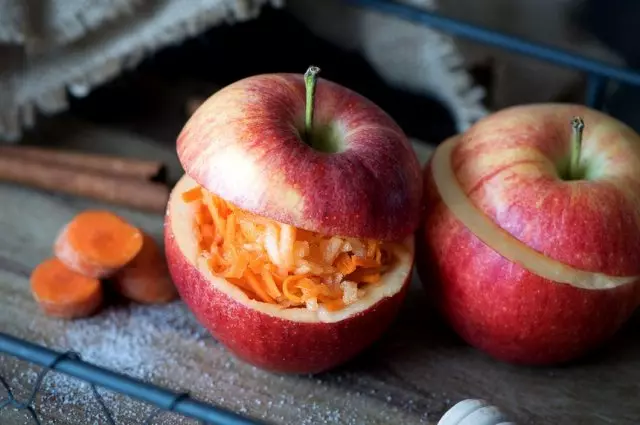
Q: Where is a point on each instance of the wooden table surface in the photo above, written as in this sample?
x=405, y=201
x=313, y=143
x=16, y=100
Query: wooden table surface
x=412, y=376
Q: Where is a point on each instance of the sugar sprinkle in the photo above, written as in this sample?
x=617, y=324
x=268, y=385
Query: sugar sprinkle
x=166, y=345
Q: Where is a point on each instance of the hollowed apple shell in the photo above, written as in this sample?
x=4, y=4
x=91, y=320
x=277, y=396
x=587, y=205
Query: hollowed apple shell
x=294, y=340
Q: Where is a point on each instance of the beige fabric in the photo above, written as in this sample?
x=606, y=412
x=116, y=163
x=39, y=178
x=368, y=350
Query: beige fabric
x=73, y=46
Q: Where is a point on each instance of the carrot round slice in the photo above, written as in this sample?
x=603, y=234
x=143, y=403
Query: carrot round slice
x=97, y=243
x=146, y=278
x=64, y=293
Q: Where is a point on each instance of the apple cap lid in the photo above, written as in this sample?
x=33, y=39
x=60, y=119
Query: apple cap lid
x=245, y=145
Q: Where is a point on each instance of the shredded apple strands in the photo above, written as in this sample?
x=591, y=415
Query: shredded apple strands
x=279, y=264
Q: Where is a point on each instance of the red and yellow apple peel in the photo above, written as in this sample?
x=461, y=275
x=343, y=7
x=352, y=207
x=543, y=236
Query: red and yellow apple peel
x=321, y=161
x=515, y=244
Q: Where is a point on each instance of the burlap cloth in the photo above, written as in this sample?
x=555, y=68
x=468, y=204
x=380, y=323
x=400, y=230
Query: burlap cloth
x=54, y=48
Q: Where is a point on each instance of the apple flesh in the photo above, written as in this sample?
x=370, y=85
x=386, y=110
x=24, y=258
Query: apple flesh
x=294, y=340
x=344, y=170
x=534, y=263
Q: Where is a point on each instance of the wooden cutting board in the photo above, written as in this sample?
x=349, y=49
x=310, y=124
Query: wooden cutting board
x=412, y=376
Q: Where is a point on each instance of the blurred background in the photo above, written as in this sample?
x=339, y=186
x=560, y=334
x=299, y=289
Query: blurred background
x=137, y=63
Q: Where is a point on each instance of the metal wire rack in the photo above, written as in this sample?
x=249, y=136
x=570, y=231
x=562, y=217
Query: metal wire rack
x=165, y=400
x=599, y=74
x=70, y=363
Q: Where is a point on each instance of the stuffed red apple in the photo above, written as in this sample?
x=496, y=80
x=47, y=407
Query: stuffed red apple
x=291, y=235
x=532, y=234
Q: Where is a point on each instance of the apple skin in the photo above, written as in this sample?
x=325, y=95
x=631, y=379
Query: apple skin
x=244, y=144
x=358, y=177
x=505, y=163
x=272, y=343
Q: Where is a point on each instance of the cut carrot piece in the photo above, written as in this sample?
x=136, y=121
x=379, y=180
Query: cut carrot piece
x=246, y=288
x=194, y=194
x=257, y=287
x=64, y=293
x=365, y=276
x=364, y=262
x=146, y=278
x=97, y=243
x=287, y=290
x=332, y=304
x=203, y=216
x=345, y=264
x=270, y=282
x=277, y=263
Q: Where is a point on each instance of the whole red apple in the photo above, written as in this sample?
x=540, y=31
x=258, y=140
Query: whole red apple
x=339, y=167
x=532, y=231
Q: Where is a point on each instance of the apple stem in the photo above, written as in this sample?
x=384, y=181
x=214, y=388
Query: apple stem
x=310, y=80
x=577, y=125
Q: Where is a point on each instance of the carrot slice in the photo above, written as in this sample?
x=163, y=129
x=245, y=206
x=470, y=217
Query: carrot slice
x=146, y=278
x=64, y=293
x=207, y=236
x=309, y=288
x=97, y=243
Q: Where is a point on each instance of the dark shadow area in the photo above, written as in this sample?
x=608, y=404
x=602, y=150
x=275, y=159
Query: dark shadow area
x=276, y=42
x=623, y=347
x=419, y=340
x=614, y=23
x=417, y=334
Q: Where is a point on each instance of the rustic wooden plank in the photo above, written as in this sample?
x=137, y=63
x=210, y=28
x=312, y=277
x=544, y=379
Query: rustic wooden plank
x=411, y=377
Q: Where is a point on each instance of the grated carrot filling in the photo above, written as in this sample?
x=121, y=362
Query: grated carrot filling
x=280, y=264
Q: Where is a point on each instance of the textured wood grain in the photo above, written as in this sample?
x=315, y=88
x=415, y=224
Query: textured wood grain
x=410, y=377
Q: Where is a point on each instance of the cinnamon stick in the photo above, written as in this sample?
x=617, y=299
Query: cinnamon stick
x=126, y=191
x=104, y=164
